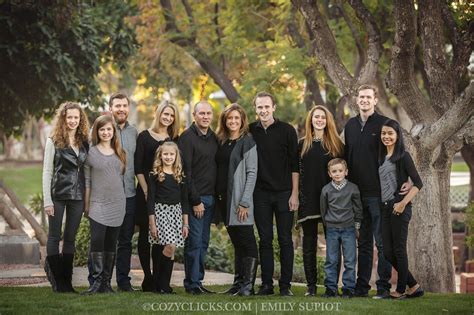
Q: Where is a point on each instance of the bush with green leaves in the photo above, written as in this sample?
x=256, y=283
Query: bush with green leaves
x=82, y=243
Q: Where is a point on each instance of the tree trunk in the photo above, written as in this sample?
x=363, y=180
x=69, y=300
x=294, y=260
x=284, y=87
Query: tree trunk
x=430, y=242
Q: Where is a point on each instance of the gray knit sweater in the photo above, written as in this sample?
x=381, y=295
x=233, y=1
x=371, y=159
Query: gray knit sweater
x=241, y=180
x=104, y=178
x=341, y=208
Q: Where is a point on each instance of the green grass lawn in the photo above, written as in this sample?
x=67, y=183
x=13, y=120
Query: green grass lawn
x=16, y=300
x=459, y=167
x=23, y=180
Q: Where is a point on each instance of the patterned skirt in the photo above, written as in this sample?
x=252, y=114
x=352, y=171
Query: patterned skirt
x=169, y=223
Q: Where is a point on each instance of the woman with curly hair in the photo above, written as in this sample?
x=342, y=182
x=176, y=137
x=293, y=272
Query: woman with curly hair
x=63, y=190
x=165, y=127
x=319, y=145
x=104, y=200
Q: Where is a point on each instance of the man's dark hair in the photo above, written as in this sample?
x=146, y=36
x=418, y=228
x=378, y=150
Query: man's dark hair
x=264, y=94
x=119, y=96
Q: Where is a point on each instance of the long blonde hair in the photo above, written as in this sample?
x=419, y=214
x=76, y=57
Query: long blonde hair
x=330, y=142
x=173, y=129
x=157, y=168
x=60, y=135
x=222, y=130
x=114, y=142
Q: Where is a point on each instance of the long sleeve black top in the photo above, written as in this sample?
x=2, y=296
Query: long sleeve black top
x=168, y=191
x=198, y=152
x=313, y=176
x=277, y=148
x=362, y=151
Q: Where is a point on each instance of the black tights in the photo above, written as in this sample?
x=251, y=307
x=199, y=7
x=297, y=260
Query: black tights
x=143, y=247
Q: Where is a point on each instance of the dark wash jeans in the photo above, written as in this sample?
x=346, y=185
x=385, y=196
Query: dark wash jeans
x=267, y=204
x=124, y=246
x=395, y=235
x=370, y=229
x=195, y=246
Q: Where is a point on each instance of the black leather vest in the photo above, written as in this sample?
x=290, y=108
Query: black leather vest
x=68, y=182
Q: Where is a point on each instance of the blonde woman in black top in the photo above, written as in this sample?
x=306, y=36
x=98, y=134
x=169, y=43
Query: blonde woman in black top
x=165, y=127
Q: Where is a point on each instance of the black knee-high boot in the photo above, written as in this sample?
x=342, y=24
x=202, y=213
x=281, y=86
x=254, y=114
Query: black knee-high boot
x=249, y=273
x=309, y=263
x=68, y=265
x=238, y=276
x=97, y=266
x=156, y=254
x=144, y=255
x=109, y=263
x=53, y=267
x=166, y=269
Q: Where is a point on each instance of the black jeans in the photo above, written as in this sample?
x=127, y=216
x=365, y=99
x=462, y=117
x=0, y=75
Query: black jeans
x=243, y=239
x=370, y=229
x=268, y=203
x=103, y=238
x=74, y=210
x=124, y=247
x=395, y=235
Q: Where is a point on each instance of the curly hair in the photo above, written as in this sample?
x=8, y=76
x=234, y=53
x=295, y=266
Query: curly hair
x=100, y=122
x=60, y=136
x=157, y=168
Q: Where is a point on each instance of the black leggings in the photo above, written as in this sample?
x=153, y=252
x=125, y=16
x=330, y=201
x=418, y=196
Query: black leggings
x=103, y=238
x=74, y=210
x=394, y=240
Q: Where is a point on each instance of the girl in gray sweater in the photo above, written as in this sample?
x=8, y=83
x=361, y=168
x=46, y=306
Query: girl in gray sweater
x=104, y=200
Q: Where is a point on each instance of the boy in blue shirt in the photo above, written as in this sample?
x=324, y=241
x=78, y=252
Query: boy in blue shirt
x=341, y=212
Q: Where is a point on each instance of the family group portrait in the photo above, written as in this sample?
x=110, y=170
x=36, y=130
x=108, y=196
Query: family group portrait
x=237, y=157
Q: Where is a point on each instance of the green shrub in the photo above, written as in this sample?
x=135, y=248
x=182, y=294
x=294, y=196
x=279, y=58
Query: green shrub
x=470, y=225
x=82, y=243
x=35, y=204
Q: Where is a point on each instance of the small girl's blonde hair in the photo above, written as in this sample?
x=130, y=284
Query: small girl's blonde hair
x=157, y=168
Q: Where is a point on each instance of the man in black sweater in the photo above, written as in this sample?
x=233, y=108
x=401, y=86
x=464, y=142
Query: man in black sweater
x=276, y=191
x=198, y=145
x=362, y=141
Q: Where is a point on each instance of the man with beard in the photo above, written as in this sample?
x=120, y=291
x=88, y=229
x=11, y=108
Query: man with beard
x=119, y=106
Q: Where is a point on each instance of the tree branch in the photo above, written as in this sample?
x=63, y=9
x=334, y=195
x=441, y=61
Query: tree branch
x=324, y=45
x=207, y=64
x=402, y=77
x=433, y=47
x=452, y=121
x=461, y=41
x=189, y=13
x=219, y=33
x=374, y=49
x=360, y=48
x=312, y=93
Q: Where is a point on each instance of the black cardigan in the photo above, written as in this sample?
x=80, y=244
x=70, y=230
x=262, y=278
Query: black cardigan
x=406, y=168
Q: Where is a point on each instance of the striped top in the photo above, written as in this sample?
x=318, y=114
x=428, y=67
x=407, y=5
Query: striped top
x=104, y=178
x=388, y=180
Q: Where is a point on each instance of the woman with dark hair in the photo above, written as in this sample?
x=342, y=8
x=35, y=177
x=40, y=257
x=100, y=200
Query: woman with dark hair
x=63, y=190
x=396, y=165
x=104, y=200
x=237, y=161
x=319, y=145
x=165, y=127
